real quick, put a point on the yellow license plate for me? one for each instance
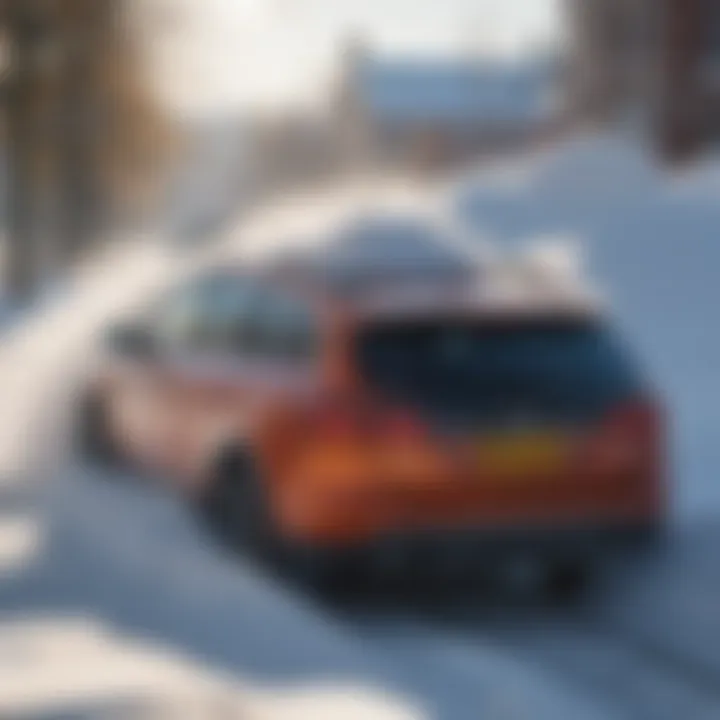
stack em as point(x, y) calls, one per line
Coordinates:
point(523, 455)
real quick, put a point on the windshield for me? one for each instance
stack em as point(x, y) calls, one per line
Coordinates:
point(467, 370)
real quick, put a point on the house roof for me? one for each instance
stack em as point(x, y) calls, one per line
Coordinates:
point(452, 91)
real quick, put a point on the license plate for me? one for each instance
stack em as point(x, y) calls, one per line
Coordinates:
point(523, 455)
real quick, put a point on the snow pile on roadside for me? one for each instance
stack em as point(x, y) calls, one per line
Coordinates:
point(73, 667)
point(82, 668)
point(38, 354)
point(571, 184)
point(651, 236)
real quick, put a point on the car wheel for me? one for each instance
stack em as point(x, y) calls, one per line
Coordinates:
point(237, 509)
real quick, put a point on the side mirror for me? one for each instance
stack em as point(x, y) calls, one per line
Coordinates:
point(131, 341)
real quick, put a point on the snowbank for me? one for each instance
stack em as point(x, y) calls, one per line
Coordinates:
point(652, 239)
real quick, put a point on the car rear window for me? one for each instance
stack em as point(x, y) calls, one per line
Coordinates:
point(565, 371)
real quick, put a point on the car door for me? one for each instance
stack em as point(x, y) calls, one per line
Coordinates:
point(140, 392)
point(280, 343)
point(256, 339)
point(210, 386)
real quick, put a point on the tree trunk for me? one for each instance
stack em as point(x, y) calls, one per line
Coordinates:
point(77, 123)
point(20, 256)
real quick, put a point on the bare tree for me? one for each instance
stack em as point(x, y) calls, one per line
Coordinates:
point(112, 137)
point(25, 35)
point(86, 140)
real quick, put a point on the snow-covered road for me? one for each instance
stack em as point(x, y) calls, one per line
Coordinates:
point(119, 575)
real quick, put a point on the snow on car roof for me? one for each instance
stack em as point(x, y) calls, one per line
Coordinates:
point(394, 247)
point(408, 263)
point(382, 248)
point(406, 243)
point(497, 292)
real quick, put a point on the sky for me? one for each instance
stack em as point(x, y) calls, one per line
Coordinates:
point(219, 56)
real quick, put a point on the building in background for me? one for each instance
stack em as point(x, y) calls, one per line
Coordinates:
point(436, 113)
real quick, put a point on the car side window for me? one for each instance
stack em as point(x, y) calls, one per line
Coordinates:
point(174, 319)
point(201, 317)
point(230, 314)
point(226, 304)
point(278, 327)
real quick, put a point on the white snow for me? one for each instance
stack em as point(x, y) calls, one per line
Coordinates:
point(20, 539)
point(651, 240)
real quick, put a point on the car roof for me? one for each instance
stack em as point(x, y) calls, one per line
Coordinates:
point(403, 266)
point(374, 253)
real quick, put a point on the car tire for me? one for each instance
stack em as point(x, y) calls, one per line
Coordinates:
point(236, 507)
point(237, 510)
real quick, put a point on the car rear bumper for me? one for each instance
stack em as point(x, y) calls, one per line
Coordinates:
point(548, 541)
point(489, 549)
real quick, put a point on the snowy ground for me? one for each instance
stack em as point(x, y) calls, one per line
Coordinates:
point(113, 598)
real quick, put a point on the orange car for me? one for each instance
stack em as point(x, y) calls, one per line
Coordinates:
point(377, 415)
